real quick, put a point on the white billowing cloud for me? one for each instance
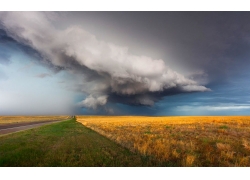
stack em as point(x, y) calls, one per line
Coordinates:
point(92, 102)
point(113, 68)
point(191, 88)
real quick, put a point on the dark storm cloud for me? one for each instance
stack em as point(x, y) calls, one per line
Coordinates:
point(4, 38)
point(104, 71)
point(148, 98)
point(7, 41)
point(4, 54)
point(216, 43)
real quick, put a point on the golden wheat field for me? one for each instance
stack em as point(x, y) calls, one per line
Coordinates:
point(180, 141)
point(19, 119)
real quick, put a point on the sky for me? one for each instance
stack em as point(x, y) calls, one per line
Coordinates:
point(125, 63)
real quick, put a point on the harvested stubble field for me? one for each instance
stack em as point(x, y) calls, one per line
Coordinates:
point(180, 141)
point(22, 119)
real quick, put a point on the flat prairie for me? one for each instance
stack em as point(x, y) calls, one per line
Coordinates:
point(22, 119)
point(179, 141)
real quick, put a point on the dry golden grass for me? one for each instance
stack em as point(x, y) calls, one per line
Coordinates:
point(20, 119)
point(180, 141)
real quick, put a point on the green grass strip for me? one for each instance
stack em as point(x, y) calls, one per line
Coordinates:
point(64, 144)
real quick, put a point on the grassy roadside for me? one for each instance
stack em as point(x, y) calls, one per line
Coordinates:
point(67, 143)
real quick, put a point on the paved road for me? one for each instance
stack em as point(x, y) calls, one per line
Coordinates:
point(10, 128)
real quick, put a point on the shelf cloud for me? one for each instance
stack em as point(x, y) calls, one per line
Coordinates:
point(104, 72)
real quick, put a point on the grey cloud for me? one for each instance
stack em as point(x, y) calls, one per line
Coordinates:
point(102, 70)
point(43, 75)
point(199, 76)
point(26, 67)
point(109, 110)
point(4, 58)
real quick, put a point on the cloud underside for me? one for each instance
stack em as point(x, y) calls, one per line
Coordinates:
point(103, 71)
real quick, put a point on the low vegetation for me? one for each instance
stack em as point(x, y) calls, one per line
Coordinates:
point(180, 141)
point(66, 143)
point(20, 119)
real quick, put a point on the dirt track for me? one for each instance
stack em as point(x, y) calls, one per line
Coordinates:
point(10, 128)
